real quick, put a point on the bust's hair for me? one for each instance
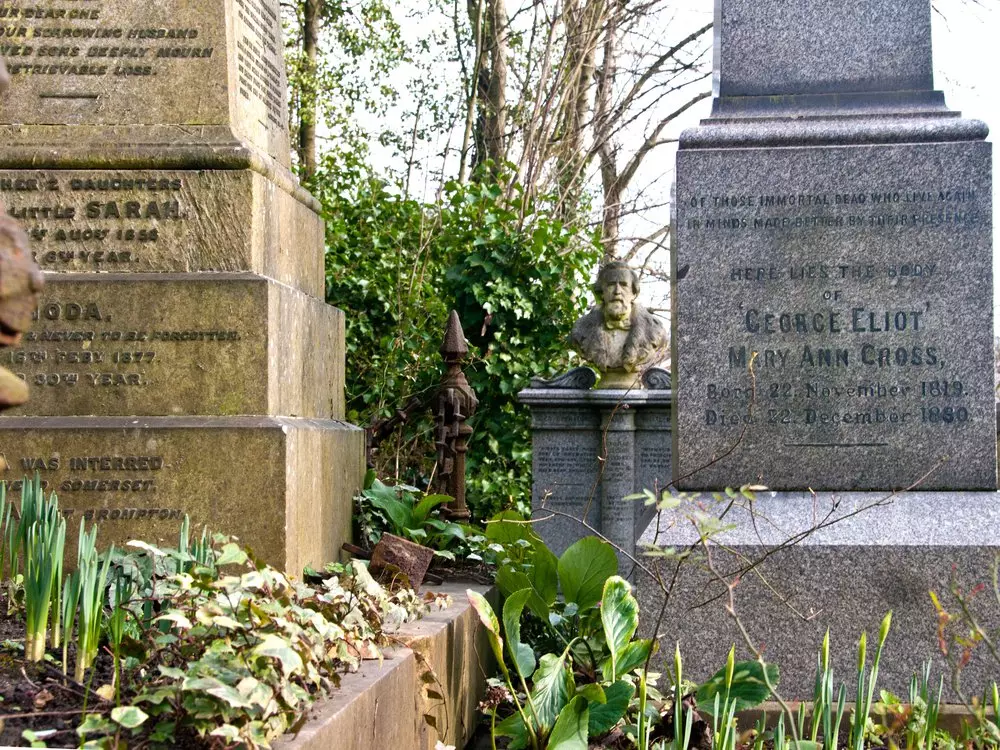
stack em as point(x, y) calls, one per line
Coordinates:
point(615, 265)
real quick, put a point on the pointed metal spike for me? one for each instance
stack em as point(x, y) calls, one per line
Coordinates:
point(454, 345)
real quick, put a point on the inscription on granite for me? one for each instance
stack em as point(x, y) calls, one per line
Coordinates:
point(257, 55)
point(565, 476)
point(563, 469)
point(144, 477)
point(91, 220)
point(74, 47)
point(101, 474)
point(834, 332)
point(181, 348)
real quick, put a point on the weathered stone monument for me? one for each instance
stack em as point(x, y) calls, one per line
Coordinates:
point(183, 359)
point(833, 331)
point(592, 448)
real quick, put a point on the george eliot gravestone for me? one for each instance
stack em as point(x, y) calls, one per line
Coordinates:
point(835, 327)
point(833, 331)
point(183, 359)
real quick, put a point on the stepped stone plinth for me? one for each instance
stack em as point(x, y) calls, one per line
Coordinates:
point(183, 359)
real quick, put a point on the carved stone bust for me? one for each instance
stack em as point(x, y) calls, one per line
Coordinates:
point(619, 337)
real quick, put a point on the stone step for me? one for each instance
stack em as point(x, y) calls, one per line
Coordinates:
point(382, 705)
point(115, 219)
point(801, 562)
point(180, 344)
point(284, 486)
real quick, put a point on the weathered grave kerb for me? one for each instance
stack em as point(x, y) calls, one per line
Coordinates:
point(833, 330)
point(183, 360)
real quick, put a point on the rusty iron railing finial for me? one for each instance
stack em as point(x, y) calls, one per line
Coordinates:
point(456, 403)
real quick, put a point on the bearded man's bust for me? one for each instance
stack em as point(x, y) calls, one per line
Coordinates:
point(619, 336)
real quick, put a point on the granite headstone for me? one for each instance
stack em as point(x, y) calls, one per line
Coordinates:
point(833, 331)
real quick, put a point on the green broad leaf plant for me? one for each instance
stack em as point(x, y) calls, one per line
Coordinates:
point(207, 641)
point(572, 663)
point(233, 649)
point(584, 686)
point(409, 513)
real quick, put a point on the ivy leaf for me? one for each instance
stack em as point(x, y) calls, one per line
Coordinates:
point(219, 689)
point(177, 618)
point(129, 716)
point(94, 723)
point(171, 672)
point(37, 739)
point(232, 554)
point(280, 649)
point(227, 732)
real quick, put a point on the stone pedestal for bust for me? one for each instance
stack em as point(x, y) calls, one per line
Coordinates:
point(183, 360)
point(591, 449)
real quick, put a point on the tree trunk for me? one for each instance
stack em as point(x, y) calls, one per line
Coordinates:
point(491, 84)
point(307, 105)
point(582, 32)
point(611, 183)
point(495, 98)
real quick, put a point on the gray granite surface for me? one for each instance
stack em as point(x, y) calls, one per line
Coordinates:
point(833, 330)
point(876, 553)
point(824, 131)
point(857, 280)
point(768, 47)
point(591, 449)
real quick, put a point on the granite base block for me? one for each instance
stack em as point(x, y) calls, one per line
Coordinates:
point(874, 553)
point(282, 485)
point(178, 344)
